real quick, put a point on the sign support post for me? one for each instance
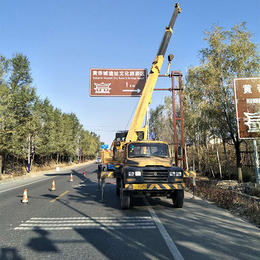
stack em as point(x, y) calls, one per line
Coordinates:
point(256, 162)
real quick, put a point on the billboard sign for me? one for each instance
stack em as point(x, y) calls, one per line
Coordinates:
point(117, 82)
point(247, 100)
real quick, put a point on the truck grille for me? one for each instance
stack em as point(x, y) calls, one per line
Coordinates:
point(155, 175)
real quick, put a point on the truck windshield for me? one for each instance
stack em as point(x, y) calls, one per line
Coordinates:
point(148, 150)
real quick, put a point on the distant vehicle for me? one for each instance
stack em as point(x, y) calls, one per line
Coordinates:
point(98, 160)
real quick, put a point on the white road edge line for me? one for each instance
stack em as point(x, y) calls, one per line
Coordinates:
point(27, 184)
point(172, 247)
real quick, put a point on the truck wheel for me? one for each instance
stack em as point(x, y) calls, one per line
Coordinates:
point(125, 201)
point(178, 198)
point(118, 187)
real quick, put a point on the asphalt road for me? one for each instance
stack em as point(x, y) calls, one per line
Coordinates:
point(73, 223)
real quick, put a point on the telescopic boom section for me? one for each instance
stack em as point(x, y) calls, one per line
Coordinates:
point(146, 97)
point(168, 32)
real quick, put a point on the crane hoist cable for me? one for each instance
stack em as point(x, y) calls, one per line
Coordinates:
point(132, 114)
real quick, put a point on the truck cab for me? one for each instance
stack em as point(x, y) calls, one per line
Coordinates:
point(148, 170)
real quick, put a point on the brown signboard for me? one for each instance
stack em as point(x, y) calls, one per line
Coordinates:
point(117, 82)
point(247, 99)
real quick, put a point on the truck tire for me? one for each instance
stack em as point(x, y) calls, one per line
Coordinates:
point(118, 187)
point(178, 198)
point(124, 199)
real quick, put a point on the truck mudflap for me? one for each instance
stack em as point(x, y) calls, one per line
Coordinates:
point(155, 186)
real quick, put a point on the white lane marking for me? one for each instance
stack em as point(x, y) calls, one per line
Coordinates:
point(72, 228)
point(116, 218)
point(87, 223)
point(27, 184)
point(172, 247)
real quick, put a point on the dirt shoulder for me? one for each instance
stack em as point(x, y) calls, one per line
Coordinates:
point(11, 177)
point(241, 199)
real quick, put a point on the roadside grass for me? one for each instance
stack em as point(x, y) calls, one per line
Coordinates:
point(238, 203)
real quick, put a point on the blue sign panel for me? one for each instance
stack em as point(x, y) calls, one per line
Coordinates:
point(151, 136)
point(104, 146)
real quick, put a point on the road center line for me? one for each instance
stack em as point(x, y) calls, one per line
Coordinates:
point(172, 247)
point(60, 196)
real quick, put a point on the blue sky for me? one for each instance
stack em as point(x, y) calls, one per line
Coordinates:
point(63, 39)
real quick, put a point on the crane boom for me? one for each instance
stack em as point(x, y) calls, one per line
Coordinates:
point(146, 97)
point(141, 166)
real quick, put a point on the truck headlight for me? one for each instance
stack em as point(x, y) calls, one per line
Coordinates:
point(178, 174)
point(171, 174)
point(138, 173)
point(131, 174)
point(175, 174)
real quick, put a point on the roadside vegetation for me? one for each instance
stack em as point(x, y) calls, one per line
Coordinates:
point(211, 137)
point(213, 148)
point(31, 125)
point(242, 200)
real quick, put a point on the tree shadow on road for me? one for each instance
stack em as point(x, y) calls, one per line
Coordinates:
point(109, 242)
point(9, 253)
point(42, 243)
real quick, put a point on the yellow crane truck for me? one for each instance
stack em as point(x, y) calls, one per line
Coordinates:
point(145, 166)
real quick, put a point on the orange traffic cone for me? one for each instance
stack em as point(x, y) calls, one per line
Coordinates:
point(53, 186)
point(25, 198)
point(84, 173)
point(71, 177)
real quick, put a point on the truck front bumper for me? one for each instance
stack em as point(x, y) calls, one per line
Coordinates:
point(155, 186)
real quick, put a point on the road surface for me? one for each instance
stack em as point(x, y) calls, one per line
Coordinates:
point(73, 223)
